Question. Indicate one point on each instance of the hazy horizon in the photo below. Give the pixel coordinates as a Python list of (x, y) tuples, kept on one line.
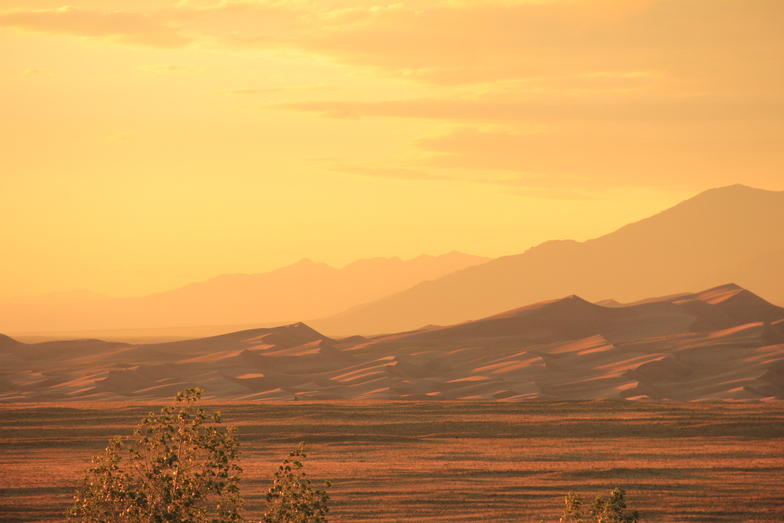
[(301, 261)]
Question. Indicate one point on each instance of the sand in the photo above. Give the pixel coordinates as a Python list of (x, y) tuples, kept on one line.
[(721, 344)]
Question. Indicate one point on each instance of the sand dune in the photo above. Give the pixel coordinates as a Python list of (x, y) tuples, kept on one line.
[(721, 344)]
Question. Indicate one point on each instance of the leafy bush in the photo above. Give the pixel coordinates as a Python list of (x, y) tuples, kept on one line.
[(603, 510), (292, 499), (178, 467)]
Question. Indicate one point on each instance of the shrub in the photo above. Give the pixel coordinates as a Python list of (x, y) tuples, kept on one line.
[(178, 467), (573, 509), (292, 499), (603, 510)]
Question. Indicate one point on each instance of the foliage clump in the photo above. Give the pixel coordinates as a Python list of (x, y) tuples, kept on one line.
[(610, 509), (179, 467), (292, 499)]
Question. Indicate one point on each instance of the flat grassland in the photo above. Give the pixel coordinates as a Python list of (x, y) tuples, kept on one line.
[(429, 462)]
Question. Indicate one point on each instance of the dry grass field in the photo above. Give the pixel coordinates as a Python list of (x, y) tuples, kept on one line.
[(430, 462)]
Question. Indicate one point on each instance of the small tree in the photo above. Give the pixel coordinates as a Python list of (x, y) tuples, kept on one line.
[(572, 510), (603, 510), (292, 499), (178, 467), (611, 510)]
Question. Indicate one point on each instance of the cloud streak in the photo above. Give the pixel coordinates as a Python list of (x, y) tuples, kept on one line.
[(552, 106), (394, 173), (448, 43), (35, 71), (470, 42), (127, 27), (243, 91), (615, 91), (550, 187), (596, 156)]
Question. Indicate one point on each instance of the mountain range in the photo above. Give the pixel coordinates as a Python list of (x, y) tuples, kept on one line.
[(730, 234), (303, 290), (725, 343)]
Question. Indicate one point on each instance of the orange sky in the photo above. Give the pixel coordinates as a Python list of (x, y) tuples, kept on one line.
[(147, 144)]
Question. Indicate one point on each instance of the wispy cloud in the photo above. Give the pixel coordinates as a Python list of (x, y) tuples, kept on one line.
[(170, 68), (128, 27), (282, 89), (618, 90), (35, 71), (590, 155), (553, 106), (550, 187), (120, 137), (395, 173), (456, 42)]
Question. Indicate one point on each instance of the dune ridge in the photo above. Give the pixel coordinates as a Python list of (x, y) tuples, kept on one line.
[(725, 343)]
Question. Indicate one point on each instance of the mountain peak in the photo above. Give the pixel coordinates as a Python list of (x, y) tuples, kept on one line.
[(304, 262), (708, 240), (734, 195), (737, 188)]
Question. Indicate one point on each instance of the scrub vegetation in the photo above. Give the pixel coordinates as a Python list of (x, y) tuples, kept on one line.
[(438, 462), (181, 466)]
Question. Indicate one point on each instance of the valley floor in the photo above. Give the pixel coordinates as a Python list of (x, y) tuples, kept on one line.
[(429, 462)]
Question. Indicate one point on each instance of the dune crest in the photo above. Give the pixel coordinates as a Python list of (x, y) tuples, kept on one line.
[(721, 344)]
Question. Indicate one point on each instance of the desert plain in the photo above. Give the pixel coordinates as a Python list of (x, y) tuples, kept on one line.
[(439, 461), (677, 400)]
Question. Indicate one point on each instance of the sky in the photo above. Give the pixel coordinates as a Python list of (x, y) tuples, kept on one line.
[(148, 144)]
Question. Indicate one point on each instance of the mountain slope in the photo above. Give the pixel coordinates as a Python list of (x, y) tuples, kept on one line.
[(302, 290), (719, 235)]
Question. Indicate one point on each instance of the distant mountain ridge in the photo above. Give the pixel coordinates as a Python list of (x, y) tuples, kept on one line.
[(303, 290), (733, 233), (727, 234)]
